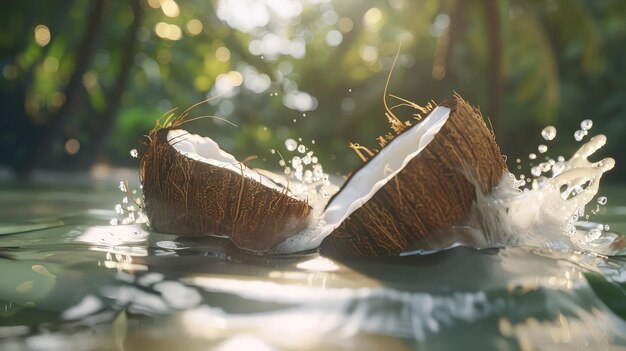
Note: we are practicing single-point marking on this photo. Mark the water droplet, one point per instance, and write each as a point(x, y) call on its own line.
point(542, 148)
point(273, 151)
point(301, 149)
point(350, 90)
point(291, 144)
point(113, 221)
point(304, 115)
point(545, 166)
point(518, 161)
point(579, 135)
point(122, 186)
point(125, 200)
point(535, 171)
point(532, 156)
point(312, 141)
point(606, 227)
point(294, 120)
point(118, 209)
point(596, 210)
point(594, 234)
point(308, 176)
point(281, 163)
point(548, 133)
point(586, 124)
point(295, 162)
point(602, 200)
point(134, 153)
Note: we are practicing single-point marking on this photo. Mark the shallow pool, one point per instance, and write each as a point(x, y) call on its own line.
point(71, 281)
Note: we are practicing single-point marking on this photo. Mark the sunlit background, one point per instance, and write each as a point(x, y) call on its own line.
point(82, 81)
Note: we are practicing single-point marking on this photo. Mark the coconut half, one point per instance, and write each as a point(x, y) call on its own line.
point(192, 187)
point(426, 178)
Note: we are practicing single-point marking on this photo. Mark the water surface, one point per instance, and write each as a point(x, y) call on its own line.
point(72, 281)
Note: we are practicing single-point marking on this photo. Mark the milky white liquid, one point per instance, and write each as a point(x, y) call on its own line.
point(548, 214)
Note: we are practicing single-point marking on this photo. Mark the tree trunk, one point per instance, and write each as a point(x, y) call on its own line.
point(57, 121)
point(106, 120)
point(494, 65)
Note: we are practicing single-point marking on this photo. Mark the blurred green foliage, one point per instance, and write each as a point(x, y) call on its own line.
point(321, 63)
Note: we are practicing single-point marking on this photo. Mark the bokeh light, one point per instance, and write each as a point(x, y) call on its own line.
point(72, 146)
point(42, 35)
point(170, 8)
point(194, 26)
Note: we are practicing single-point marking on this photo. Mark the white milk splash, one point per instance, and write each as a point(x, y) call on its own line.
point(552, 212)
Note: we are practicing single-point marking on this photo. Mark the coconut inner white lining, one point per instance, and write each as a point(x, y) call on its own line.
point(384, 166)
point(206, 150)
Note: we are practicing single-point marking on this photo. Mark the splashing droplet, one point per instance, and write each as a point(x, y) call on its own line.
point(542, 148)
point(602, 200)
point(301, 149)
point(586, 124)
point(535, 171)
point(122, 186)
point(113, 221)
point(594, 234)
point(548, 133)
point(532, 156)
point(291, 144)
point(579, 135)
point(134, 153)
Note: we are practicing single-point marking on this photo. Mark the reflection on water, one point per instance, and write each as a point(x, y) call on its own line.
point(70, 281)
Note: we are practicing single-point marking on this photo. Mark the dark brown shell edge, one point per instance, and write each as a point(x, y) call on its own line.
point(434, 190)
point(192, 198)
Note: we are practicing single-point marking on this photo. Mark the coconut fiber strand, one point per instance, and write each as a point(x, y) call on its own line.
point(435, 189)
point(189, 197)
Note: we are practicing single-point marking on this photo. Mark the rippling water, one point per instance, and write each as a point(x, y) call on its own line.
point(72, 281)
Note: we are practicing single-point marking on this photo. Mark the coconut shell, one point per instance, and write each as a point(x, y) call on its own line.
point(189, 197)
point(435, 189)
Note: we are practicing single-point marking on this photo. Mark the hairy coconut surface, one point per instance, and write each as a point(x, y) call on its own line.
point(435, 188)
point(193, 188)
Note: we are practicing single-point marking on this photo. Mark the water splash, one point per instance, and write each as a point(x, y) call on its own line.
point(304, 175)
point(130, 209)
point(549, 210)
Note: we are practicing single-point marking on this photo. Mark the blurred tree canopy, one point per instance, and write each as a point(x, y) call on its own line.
point(82, 81)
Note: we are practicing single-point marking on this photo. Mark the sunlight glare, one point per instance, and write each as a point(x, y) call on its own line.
point(318, 264)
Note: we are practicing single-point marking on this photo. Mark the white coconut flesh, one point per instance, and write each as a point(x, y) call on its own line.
point(368, 180)
point(206, 150)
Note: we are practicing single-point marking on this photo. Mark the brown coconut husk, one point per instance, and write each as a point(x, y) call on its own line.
point(189, 197)
point(436, 189)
